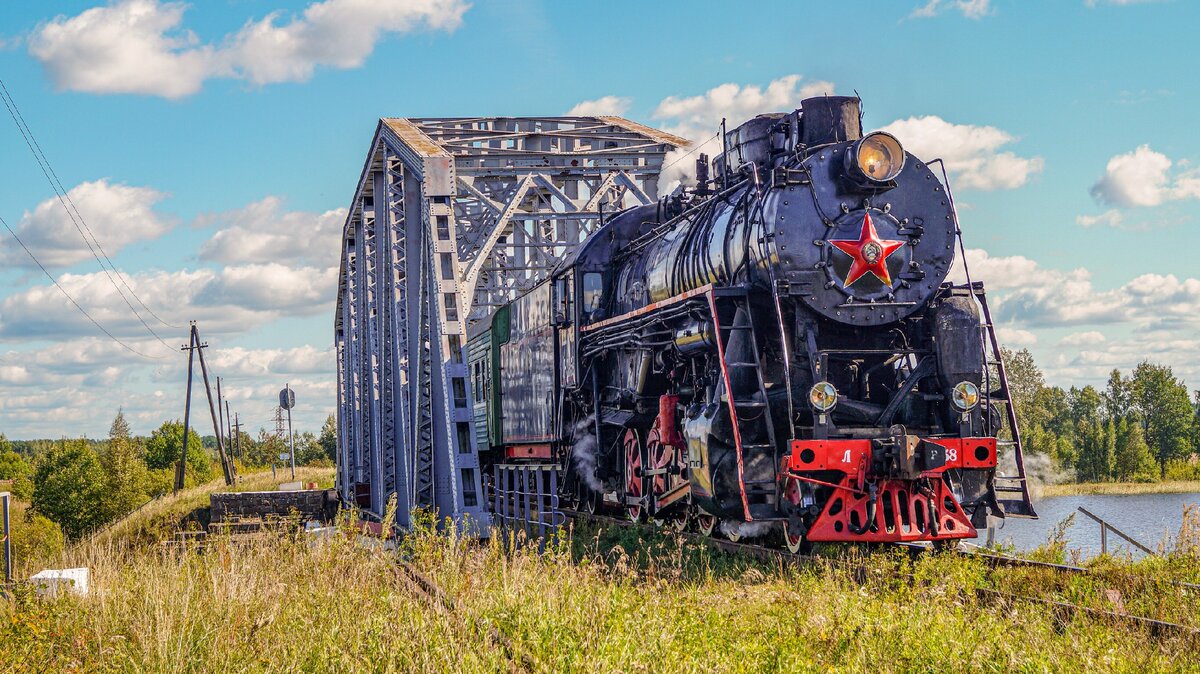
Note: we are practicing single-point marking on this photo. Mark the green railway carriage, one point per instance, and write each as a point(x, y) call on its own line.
point(483, 349)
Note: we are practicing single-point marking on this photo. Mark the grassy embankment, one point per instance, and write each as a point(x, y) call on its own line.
point(1116, 488)
point(156, 520)
point(620, 600)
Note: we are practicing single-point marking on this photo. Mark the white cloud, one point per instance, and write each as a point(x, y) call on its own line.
point(972, 9)
point(605, 105)
point(81, 383)
point(1119, 3)
point(1111, 217)
point(131, 47)
point(972, 153)
point(117, 215)
point(140, 46)
point(1015, 337)
point(698, 117)
point(1035, 296)
point(1151, 316)
point(262, 231)
point(1141, 178)
point(1083, 338)
point(1012, 271)
point(229, 300)
point(14, 374)
point(261, 362)
point(336, 33)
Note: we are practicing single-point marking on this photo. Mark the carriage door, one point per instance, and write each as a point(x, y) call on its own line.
point(565, 323)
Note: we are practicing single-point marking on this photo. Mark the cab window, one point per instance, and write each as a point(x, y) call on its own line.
point(593, 292)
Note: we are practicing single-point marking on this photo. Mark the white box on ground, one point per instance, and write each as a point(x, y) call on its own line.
point(50, 582)
point(291, 486)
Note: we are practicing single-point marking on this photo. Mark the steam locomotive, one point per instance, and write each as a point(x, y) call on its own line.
point(775, 348)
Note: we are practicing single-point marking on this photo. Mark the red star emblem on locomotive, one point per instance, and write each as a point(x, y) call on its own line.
point(869, 252)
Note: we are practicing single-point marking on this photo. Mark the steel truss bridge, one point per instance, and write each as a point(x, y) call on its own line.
point(452, 218)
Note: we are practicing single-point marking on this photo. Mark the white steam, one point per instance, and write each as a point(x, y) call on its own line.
point(746, 529)
point(583, 454)
point(679, 165)
point(1040, 470)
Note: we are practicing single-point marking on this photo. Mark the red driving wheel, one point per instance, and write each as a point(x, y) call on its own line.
point(634, 478)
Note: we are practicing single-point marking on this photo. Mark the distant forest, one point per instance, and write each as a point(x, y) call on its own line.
point(1142, 426)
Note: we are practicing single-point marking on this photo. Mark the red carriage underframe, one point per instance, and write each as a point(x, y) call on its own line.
point(919, 509)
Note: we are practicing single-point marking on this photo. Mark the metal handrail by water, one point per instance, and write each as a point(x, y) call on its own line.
point(1105, 527)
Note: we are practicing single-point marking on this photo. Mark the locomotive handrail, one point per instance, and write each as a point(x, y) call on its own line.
point(687, 294)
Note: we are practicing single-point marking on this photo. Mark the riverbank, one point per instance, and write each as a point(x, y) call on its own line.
point(1118, 488)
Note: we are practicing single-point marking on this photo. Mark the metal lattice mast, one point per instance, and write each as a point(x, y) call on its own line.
point(452, 218)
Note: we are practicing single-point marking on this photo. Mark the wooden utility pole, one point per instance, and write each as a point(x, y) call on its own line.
point(220, 410)
point(229, 436)
point(212, 410)
point(237, 436)
point(190, 347)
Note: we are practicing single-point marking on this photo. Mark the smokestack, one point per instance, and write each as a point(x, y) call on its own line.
point(829, 119)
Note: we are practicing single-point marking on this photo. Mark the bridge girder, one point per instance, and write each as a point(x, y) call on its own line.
point(451, 218)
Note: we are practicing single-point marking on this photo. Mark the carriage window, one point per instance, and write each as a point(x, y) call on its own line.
point(562, 309)
point(593, 291)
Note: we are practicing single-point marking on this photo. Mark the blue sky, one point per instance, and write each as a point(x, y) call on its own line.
point(213, 146)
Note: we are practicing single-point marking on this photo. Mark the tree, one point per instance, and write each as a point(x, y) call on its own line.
point(12, 465)
point(1025, 380)
point(329, 435)
point(266, 450)
point(69, 488)
point(1196, 422)
point(1165, 410)
point(1132, 460)
point(309, 451)
point(1118, 396)
point(128, 478)
point(1095, 440)
point(166, 444)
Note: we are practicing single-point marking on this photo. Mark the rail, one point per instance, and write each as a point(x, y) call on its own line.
point(1105, 527)
point(1153, 625)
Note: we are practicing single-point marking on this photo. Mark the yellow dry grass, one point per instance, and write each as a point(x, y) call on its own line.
point(1112, 488)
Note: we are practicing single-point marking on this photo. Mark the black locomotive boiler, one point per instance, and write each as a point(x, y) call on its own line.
point(776, 345)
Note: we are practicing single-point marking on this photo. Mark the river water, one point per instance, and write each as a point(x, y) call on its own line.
point(1148, 518)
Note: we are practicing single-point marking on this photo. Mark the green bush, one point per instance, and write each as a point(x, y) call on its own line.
point(69, 488)
point(166, 444)
point(1184, 469)
point(36, 540)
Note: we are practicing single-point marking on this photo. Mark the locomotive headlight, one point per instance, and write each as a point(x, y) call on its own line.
point(965, 396)
point(822, 396)
point(878, 157)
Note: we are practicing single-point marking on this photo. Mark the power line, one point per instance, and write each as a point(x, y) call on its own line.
point(62, 191)
point(72, 299)
point(697, 146)
point(76, 217)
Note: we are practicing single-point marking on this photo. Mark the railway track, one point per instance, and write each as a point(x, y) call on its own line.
point(426, 589)
point(1153, 625)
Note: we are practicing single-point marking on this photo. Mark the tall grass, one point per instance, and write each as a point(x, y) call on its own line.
point(596, 600)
